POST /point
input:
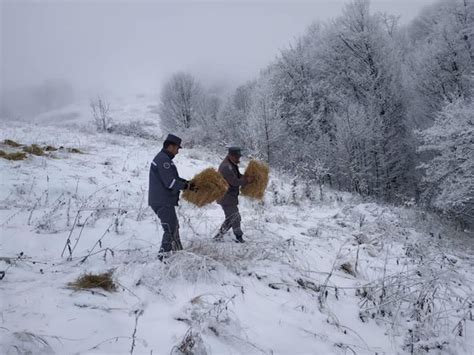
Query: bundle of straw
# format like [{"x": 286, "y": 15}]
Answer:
[
  {"x": 259, "y": 171},
  {"x": 211, "y": 186}
]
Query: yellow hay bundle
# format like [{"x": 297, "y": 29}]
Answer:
[
  {"x": 260, "y": 172},
  {"x": 211, "y": 187},
  {"x": 90, "y": 281}
]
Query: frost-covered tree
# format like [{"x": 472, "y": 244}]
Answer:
[
  {"x": 304, "y": 107},
  {"x": 449, "y": 176},
  {"x": 189, "y": 109},
  {"x": 440, "y": 64},
  {"x": 205, "y": 128},
  {"x": 180, "y": 102},
  {"x": 363, "y": 72},
  {"x": 233, "y": 116},
  {"x": 100, "y": 114},
  {"x": 331, "y": 105},
  {"x": 440, "y": 57},
  {"x": 264, "y": 127}
]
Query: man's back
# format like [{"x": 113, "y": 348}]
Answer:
[
  {"x": 163, "y": 172},
  {"x": 234, "y": 178}
]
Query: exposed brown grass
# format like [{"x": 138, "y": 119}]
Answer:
[
  {"x": 74, "y": 150},
  {"x": 50, "y": 148},
  {"x": 90, "y": 281},
  {"x": 11, "y": 143},
  {"x": 211, "y": 187},
  {"x": 33, "y": 149},
  {"x": 348, "y": 269},
  {"x": 260, "y": 172},
  {"x": 12, "y": 156}
]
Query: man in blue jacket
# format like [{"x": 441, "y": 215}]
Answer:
[{"x": 163, "y": 195}]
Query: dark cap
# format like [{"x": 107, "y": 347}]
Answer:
[
  {"x": 171, "y": 138},
  {"x": 235, "y": 151}
]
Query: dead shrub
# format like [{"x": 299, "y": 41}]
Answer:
[
  {"x": 260, "y": 172},
  {"x": 191, "y": 344},
  {"x": 11, "y": 143},
  {"x": 211, "y": 187},
  {"x": 90, "y": 281},
  {"x": 33, "y": 149},
  {"x": 12, "y": 156}
]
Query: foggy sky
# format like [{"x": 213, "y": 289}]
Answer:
[{"x": 133, "y": 46}]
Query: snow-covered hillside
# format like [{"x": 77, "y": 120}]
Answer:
[
  {"x": 330, "y": 274},
  {"x": 78, "y": 115}
]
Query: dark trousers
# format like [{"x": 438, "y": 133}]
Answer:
[
  {"x": 170, "y": 224},
  {"x": 232, "y": 220}
]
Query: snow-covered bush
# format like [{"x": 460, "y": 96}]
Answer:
[
  {"x": 135, "y": 128},
  {"x": 207, "y": 314},
  {"x": 100, "y": 114}
]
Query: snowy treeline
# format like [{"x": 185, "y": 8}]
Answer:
[{"x": 361, "y": 103}]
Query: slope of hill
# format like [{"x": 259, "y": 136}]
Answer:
[{"x": 320, "y": 274}]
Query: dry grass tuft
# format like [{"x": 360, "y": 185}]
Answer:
[
  {"x": 348, "y": 269},
  {"x": 211, "y": 187},
  {"x": 50, "y": 148},
  {"x": 33, "y": 149},
  {"x": 90, "y": 281},
  {"x": 11, "y": 143},
  {"x": 12, "y": 156},
  {"x": 74, "y": 150},
  {"x": 256, "y": 189}
]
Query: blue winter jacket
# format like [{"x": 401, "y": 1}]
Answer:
[{"x": 165, "y": 183}]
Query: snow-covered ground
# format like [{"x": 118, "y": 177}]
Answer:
[{"x": 330, "y": 274}]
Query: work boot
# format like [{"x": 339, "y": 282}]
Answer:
[
  {"x": 162, "y": 256},
  {"x": 218, "y": 238},
  {"x": 239, "y": 239},
  {"x": 164, "y": 252}
]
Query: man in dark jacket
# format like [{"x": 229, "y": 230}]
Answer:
[
  {"x": 229, "y": 169},
  {"x": 163, "y": 195}
]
